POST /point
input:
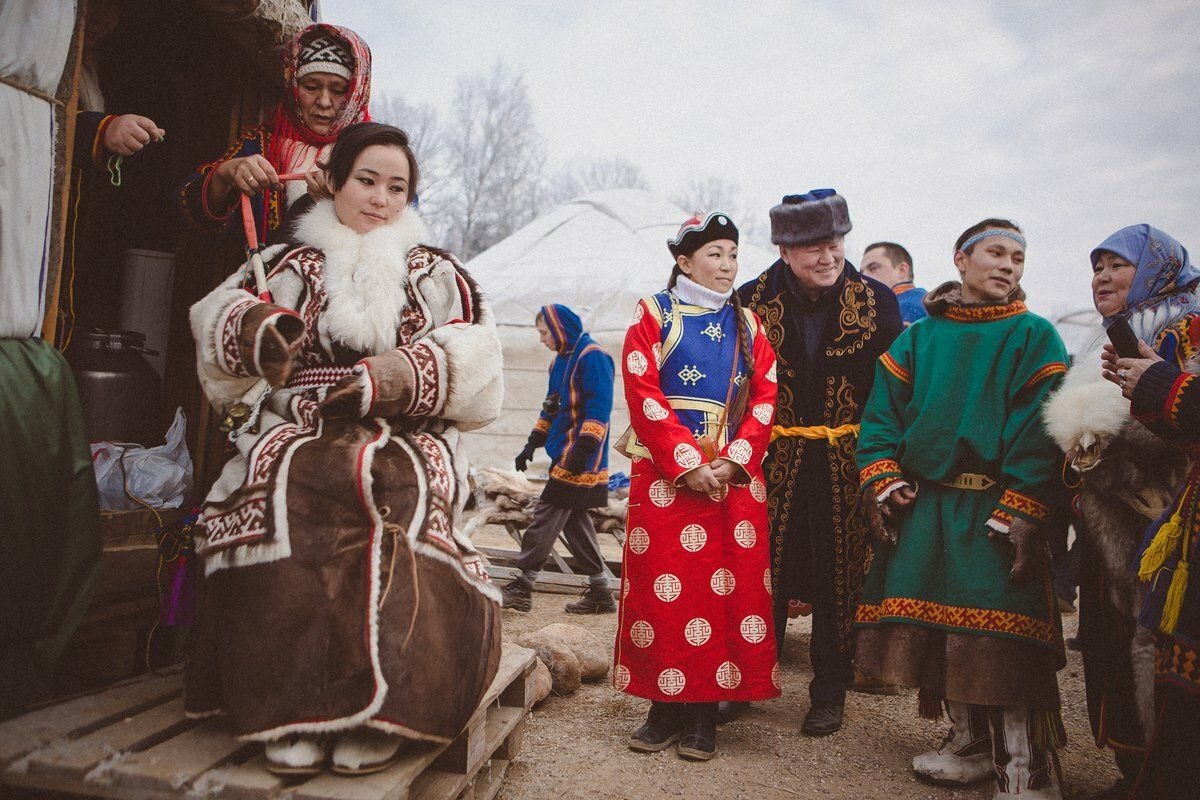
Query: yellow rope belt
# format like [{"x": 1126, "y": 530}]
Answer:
[{"x": 815, "y": 432}]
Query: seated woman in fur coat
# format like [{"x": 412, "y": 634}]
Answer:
[{"x": 340, "y": 609}]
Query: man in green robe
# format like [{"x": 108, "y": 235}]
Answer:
[{"x": 958, "y": 474}]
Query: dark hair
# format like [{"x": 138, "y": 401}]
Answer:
[
  {"x": 895, "y": 252},
  {"x": 991, "y": 222},
  {"x": 359, "y": 137}
]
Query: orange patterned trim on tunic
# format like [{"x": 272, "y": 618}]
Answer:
[
  {"x": 893, "y": 367},
  {"x": 1053, "y": 368},
  {"x": 1177, "y": 662},
  {"x": 883, "y": 468},
  {"x": 1017, "y": 503},
  {"x": 590, "y": 427},
  {"x": 985, "y": 313},
  {"x": 1175, "y": 397},
  {"x": 587, "y": 480},
  {"x": 542, "y": 425},
  {"x": 973, "y": 619}
]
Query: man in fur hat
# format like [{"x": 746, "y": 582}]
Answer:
[{"x": 828, "y": 324}]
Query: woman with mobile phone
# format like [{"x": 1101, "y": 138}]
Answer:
[{"x": 1144, "y": 285}]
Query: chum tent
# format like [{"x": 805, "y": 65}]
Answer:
[{"x": 598, "y": 254}]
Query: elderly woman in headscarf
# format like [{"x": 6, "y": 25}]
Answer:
[
  {"x": 1128, "y": 474},
  {"x": 327, "y": 77}
]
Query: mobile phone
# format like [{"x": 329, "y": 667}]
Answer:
[{"x": 1123, "y": 339}]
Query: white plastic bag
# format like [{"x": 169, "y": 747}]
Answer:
[{"x": 159, "y": 476}]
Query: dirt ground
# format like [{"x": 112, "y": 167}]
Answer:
[{"x": 574, "y": 745}]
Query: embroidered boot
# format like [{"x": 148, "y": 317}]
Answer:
[
  {"x": 1022, "y": 769},
  {"x": 596, "y": 600},
  {"x": 296, "y": 756},
  {"x": 662, "y": 727},
  {"x": 965, "y": 756},
  {"x": 517, "y": 594}
]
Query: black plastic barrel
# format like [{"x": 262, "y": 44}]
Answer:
[{"x": 119, "y": 390}]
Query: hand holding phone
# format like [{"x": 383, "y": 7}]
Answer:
[{"x": 1123, "y": 339}]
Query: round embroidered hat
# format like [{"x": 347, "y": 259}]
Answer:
[
  {"x": 699, "y": 230},
  {"x": 817, "y": 216},
  {"x": 323, "y": 53}
]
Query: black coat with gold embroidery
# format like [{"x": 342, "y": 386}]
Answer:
[{"x": 826, "y": 352}]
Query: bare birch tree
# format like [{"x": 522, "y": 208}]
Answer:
[{"x": 428, "y": 138}]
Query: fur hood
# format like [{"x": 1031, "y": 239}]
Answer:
[
  {"x": 365, "y": 274},
  {"x": 1086, "y": 410}
]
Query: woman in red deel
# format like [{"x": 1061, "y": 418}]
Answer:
[{"x": 695, "y": 621}]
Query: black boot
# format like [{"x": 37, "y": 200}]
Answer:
[
  {"x": 596, "y": 600},
  {"x": 729, "y": 710},
  {"x": 663, "y": 725},
  {"x": 822, "y": 719},
  {"x": 699, "y": 742},
  {"x": 517, "y": 594}
]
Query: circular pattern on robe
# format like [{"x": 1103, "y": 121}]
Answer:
[
  {"x": 720, "y": 494},
  {"x": 744, "y": 533},
  {"x": 625, "y": 587},
  {"x": 667, "y": 587},
  {"x": 656, "y": 349},
  {"x": 776, "y": 676},
  {"x": 740, "y": 451},
  {"x": 662, "y": 494},
  {"x": 728, "y": 675},
  {"x": 638, "y": 313},
  {"x": 771, "y": 375},
  {"x": 722, "y": 581},
  {"x": 763, "y": 412},
  {"x": 754, "y": 629},
  {"x": 687, "y": 456},
  {"x": 642, "y": 633},
  {"x": 697, "y": 631},
  {"x": 621, "y": 677},
  {"x": 767, "y": 580},
  {"x": 671, "y": 681},
  {"x": 638, "y": 540},
  {"x": 758, "y": 490},
  {"x": 654, "y": 410},
  {"x": 693, "y": 537},
  {"x": 636, "y": 363}
]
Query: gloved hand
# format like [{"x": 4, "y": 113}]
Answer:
[
  {"x": 270, "y": 336},
  {"x": 1029, "y": 550},
  {"x": 522, "y": 461},
  {"x": 344, "y": 399},
  {"x": 581, "y": 453},
  {"x": 881, "y": 530}
]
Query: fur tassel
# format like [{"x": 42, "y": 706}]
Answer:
[
  {"x": 1047, "y": 731},
  {"x": 1174, "y": 602},
  {"x": 929, "y": 704},
  {"x": 1163, "y": 545}
]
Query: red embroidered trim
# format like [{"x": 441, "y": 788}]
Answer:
[
  {"x": 542, "y": 425},
  {"x": 1015, "y": 502},
  {"x": 98, "y": 142},
  {"x": 316, "y": 377},
  {"x": 229, "y": 352},
  {"x": 585, "y": 480},
  {"x": 973, "y": 619},
  {"x": 891, "y": 366},
  {"x": 1175, "y": 398},
  {"x": 884, "y": 486},
  {"x": 208, "y": 176},
  {"x": 884, "y": 467},
  {"x": 1177, "y": 662},
  {"x": 591, "y": 427},
  {"x": 1053, "y": 368},
  {"x": 985, "y": 313}
]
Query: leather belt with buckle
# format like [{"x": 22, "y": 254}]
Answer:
[{"x": 971, "y": 481}]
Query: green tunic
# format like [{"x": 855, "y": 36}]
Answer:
[{"x": 961, "y": 392}]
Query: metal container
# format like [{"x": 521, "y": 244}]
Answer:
[{"x": 120, "y": 392}]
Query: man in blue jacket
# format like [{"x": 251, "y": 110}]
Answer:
[{"x": 573, "y": 427}]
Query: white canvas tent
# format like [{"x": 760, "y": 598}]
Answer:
[{"x": 597, "y": 254}]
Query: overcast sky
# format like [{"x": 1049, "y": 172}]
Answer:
[{"x": 1070, "y": 118}]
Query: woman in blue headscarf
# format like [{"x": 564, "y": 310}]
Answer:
[
  {"x": 1163, "y": 300},
  {"x": 1128, "y": 477},
  {"x": 573, "y": 427}
]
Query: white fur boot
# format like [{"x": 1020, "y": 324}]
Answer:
[
  {"x": 965, "y": 756},
  {"x": 362, "y": 751},
  {"x": 296, "y": 755},
  {"x": 1023, "y": 771}
]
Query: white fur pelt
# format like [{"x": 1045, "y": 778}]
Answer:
[
  {"x": 1086, "y": 410},
  {"x": 364, "y": 275}
]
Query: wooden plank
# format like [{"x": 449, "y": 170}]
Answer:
[
  {"x": 519, "y": 693},
  {"x": 247, "y": 781},
  {"x": 63, "y": 765},
  {"x": 166, "y": 768},
  {"x": 82, "y": 715},
  {"x": 439, "y": 782},
  {"x": 490, "y": 779},
  {"x": 391, "y": 784}
]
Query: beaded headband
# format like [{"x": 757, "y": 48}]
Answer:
[{"x": 1005, "y": 232}]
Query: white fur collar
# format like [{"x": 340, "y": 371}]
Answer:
[
  {"x": 365, "y": 274},
  {"x": 694, "y": 294}
]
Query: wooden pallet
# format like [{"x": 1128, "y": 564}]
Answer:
[{"x": 132, "y": 742}]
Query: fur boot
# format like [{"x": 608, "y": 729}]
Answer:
[
  {"x": 363, "y": 751},
  {"x": 1023, "y": 770},
  {"x": 965, "y": 756},
  {"x": 296, "y": 755}
]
